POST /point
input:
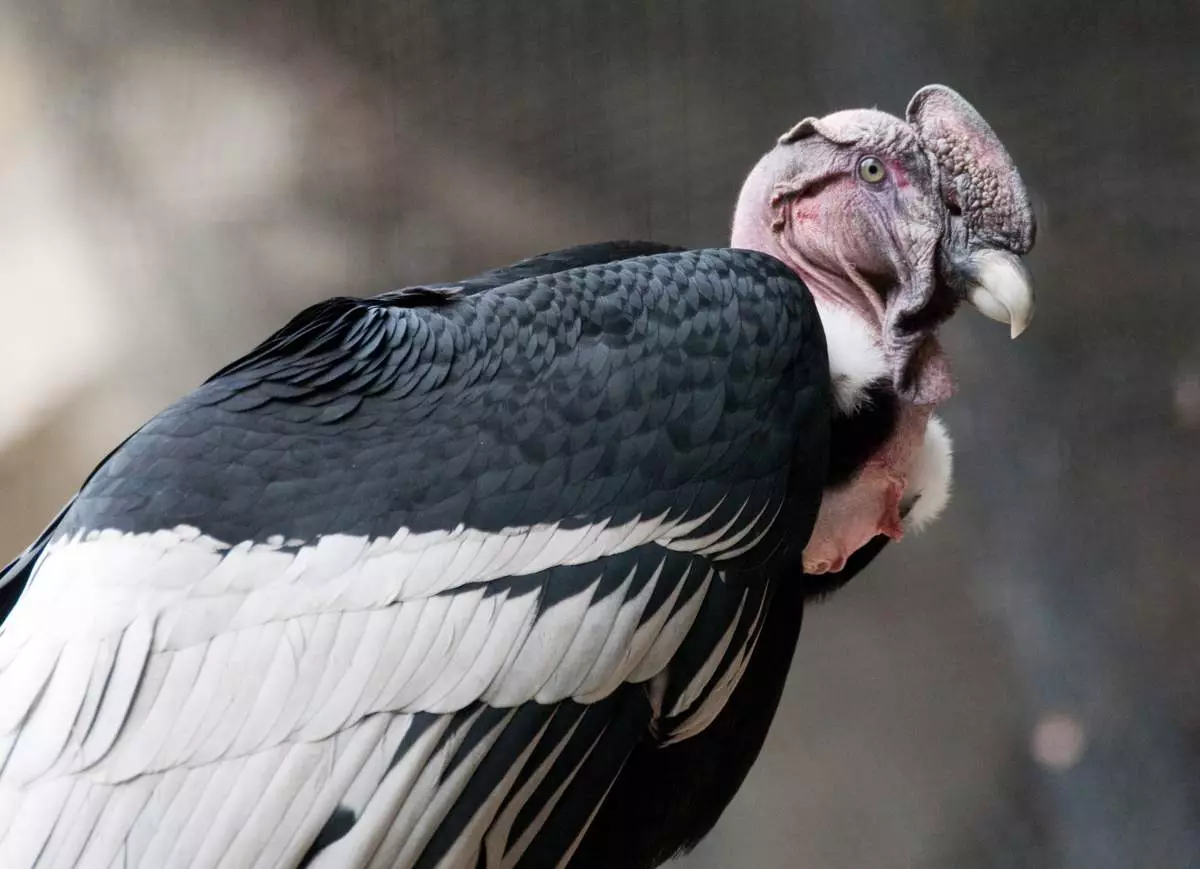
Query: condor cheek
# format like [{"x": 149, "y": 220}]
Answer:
[
  {"x": 866, "y": 236},
  {"x": 880, "y": 246},
  {"x": 806, "y": 211}
]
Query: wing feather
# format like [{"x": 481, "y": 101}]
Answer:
[
  {"x": 303, "y": 820},
  {"x": 465, "y": 650},
  {"x": 237, "y": 693},
  {"x": 597, "y": 625},
  {"x": 599, "y": 680},
  {"x": 189, "y": 731},
  {"x": 310, "y": 646},
  {"x": 23, "y": 681},
  {"x": 244, "y": 790},
  {"x": 433, "y": 616},
  {"x": 664, "y": 642},
  {"x": 544, "y": 648},
  {"x": 32, "y": 821},
  {"x": 450, "y": 783},
  {"x": 161, "y": 822},
  {"x": 512, "y": 624},
  {"x": 74, "y": 824},
  {"x": 155, "y": 714},
  {"x": 121, "y": 683},
  {"x": 188, "y": 844},
  {"x": 341, "y": 697},
  {"x": 265, "y": 830},
  {"x": 108, "y": 843},
  {"x": 458, "y": 616},
  {"x": 381, "y": 685}
]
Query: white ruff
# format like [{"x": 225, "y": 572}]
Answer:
[
  {"x": 855, "y": 357},
  {"x": 931, "y": 476}
]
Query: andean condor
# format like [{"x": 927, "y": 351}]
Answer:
[{"x": 508, "y": 572}]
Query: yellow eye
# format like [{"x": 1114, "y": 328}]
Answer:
[{"x": 870, "y": 169}]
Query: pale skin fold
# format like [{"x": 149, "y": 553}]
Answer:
[{"x": 893, "y": 222}]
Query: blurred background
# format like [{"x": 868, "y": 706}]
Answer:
[{"x": 1019, "y": 687}]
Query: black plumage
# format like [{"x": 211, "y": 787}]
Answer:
[
  {"x": 859, "y": 434},
  {"x": 576, "y": 387},
  {"x": 570, "y": 389}
]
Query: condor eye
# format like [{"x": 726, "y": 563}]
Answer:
[{"x": 870, "y": 169}]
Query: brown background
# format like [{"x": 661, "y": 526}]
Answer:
[{"x": 1018, "y": 687}]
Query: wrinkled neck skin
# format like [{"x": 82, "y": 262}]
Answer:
[
  {"x": 844, "y": 288},
  {"x": 834, "y": 283},
  {"x": 851, "y": 515}
]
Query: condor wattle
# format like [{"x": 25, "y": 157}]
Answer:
[{"x": 509, "y": 572}]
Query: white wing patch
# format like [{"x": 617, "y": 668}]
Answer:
[
  {"x": 170, "y": 700},
  {"x": 207, "y": 587}
]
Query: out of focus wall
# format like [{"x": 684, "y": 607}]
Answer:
[{"x": 1018, "y": 687}]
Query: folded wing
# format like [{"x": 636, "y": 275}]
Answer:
[{"x": 408, "y": 584}]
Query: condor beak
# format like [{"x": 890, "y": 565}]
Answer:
[{"x": 999, "y": 286}]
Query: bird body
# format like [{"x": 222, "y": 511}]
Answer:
[{"x": 504, "y": 573}]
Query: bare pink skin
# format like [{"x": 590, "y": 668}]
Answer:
[
  {"x": 806, "y": 204},
  {"x": 886, "y": 247},
  {"x": 869, "y": 504}
]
